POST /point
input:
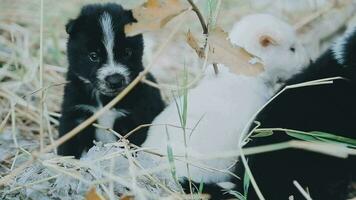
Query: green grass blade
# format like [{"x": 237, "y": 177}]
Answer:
[
  {"x": 185, "y": 98},
  {"x": 201, "y": 187},
  {"x": 171, "y": 158},
  {"x": 237, "y": 194},
  {"x": 340, "y": 139},
  {"x": 246, "y": 184},
  {"x": 262, "y": 133},
  {"x": 302, "y": 136}
]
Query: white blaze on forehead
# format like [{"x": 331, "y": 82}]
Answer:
[
  {"x": 110, "y": 67},
  {"x": 108, "y": 34}
]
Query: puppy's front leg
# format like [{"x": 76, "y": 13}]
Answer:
[
  {"x": 80, "y": 142},
  {"x": 126, "y": 124}
]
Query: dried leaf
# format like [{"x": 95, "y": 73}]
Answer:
[
  {"x": 192, "y": 41},
  {"x": 153, "y": 15},
  {"x": 127, "y": 197},
  {"x": 93, "y": 195},
  {"x": 221, "y": 51}
]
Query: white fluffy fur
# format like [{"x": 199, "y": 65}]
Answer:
[
  {"x": 280, "y": 62},
  {"x": 221, "y": 106}
]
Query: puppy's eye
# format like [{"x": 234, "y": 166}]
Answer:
[
  {"x": 292, "y": 49},
  {"x": 127, "y": 53},
  {"x": 93, "y": 56}
]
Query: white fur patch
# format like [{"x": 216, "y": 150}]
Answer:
[
  {"x": 279, "y": 62},
  {"x": 226, "y": 185},
  {"x": 338, "y": 48},
  {"x": 107, "y": 120},
  {"x": 219, "y": 107},
  {"x": 110, "y": 67},
  {"x": 85, "y": 80}
]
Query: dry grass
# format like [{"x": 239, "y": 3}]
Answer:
[{"x": 22, "y": 94}]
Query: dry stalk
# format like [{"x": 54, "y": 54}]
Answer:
[
  {"x": 204, "y": 27},
  {"x": 41, "y": 80},
  {"x": 301, "y": 190},
  {"x": 4, "y": 122}
]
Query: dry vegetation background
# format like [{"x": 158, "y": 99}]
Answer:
[{"x": 321, "y": 21}]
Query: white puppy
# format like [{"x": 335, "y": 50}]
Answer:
[{"x": 220, "y": 106}]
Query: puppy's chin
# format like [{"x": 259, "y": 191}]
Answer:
[{"x": 110, "y": 92}]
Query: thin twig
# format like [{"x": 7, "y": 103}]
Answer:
[
  {"x": 200, "y": 17},
  {"x": 204, "y": 27},
  {"x": 41, "y": 81},
  {"x": 13, "y": 124},
  {"x": 301, "y": 190},
  {"x": 6, "y": 119},
  {"x": 149, "y": 125}
]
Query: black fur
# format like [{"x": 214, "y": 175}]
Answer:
[
  {"x": 212, "y": 189},
  {"x": 328, "y": 108},
  {"x": 143, "y": 103}
]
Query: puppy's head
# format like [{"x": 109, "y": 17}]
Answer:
[
  {"x": 99, "y": 53},
  {"x": 274, "y": 42}
]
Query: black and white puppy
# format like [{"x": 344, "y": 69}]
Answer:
[
  {"x": 103, "y": 61},
  {"x": 327, "y": 108}
]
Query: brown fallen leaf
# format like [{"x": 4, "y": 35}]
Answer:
[
  {"x": 127, "y": 197},
  {"x": 192, "y": 41},
  {"x": 93, "y": 195},
  {"x": 153, "y": 15},
  {"x": 221, "y": 51}
]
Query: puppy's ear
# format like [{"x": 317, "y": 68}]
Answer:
[
  {"x": 70, "y": 26},
  {"x": 266, "y": 41},
  {"x": 129, "y": 16}
]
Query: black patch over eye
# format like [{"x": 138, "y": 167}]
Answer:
[
  {"x": 292, "y": 49},
  {"x": 94, "y": 57},
  {"x": 127, "y": 53}
]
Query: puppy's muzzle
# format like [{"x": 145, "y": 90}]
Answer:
[{"x": 115, "y": 81}]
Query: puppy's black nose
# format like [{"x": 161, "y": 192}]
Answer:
[{"x": 115, "y": 80}]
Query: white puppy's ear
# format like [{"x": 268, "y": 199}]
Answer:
[{"x": 266, "y": 41}]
